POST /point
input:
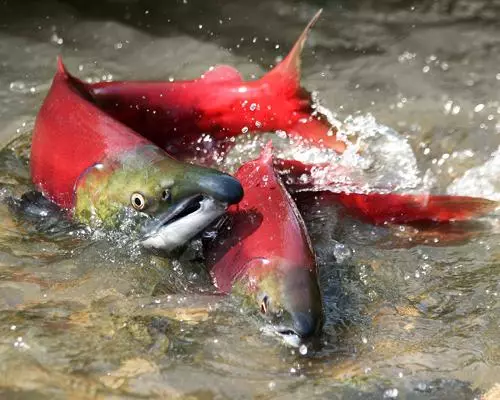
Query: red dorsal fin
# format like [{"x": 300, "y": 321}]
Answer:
[
  {"x": 222, "y": 73},
  {"x": 289, "y": 68}
]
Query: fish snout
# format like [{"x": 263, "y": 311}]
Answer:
[
  {"x": 210, "y": 182},
  {"x": 303, "y": 324},
  {"x": 221, "y": 187},
  {"x": 303, "y": 303}
]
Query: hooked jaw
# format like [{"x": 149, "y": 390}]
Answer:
[
  {"x": 221, "y": 187},
  {"x": 174, "y": 201},
  {"x": 204, "y": 196}
]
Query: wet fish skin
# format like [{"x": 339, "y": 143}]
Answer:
[
  {"x": 94, "y": 166},
  {"x": 264, "y": 253},
  {"x": 175, "y": 114}
]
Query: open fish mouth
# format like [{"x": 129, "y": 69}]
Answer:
[
  {"x": 288, "y": 336},
  {"x": 181, "y": 222}
]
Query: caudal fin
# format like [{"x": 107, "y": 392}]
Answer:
[
  {"x": 61, "y": 68},
  {"x": 289, "y": 68},
  {"x": 285, "y": 77}
]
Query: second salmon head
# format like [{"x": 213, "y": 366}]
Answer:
[
  {"x": 264, "y": 255},
  {"x": 164, "y": 201},
  {"x": 105, "y": 174},
  {"x": 286, "y": 295}
]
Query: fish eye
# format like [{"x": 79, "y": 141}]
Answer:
[
  {"x": 138, "y": 201},
  {"x": 165, "y": 195},
  {"x": 264, "y": 305}
]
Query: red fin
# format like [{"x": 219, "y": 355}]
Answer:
[
  {"x": 403, "y": 208},
  {"x": 222, "y": 73},
  {"x": 289, "y": 68},
  {"x": 61, "y": 69},
  {"x": 318, "y": 132}
]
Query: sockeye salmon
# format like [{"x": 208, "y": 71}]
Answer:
[
  {"x": 102, "y": 171},
  {"x": 264, "y": 253},
  {"x": 175, "y": 114},
  {"x": 220, "y": 102}
]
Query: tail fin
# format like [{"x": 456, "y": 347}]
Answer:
[
  {"x": 61, "y": 69},
  {"x": 62, "y": 73},
  {"x": 315, "y": 130},
  {"x": 289, "y": 68}
]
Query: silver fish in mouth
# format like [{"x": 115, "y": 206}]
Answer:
[{"x": 181, "y": 222}]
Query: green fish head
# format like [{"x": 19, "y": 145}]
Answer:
[{"x": 165, "y": 201}]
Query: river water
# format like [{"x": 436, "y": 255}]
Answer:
[{"x": 411, "y": 312}]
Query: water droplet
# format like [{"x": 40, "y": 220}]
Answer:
[
  {"x": 479, "y": 108},
  {"x": 281, "y": 134},
  {"x": 303, "y": 349},
  {"x": 391, "y": 393},
  {"x": 17, "y": 86},
  {"x": 342, "y": 253},
  {"x": 56, "y": 39},
  {"x": 422, "y": 387}
]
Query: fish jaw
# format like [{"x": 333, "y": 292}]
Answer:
[{"x": 178, "y": 203}]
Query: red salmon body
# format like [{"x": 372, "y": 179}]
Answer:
[
  {"x": 71, "y": 135},
  {"x": 174, "y": 114},
  {"x": 264, "y": 225},
  {"x": 264, "y": 250}
]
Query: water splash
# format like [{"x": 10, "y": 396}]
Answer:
[
  {"x": 376, "y": 158},
  {"x": 480, "y": 181}
]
